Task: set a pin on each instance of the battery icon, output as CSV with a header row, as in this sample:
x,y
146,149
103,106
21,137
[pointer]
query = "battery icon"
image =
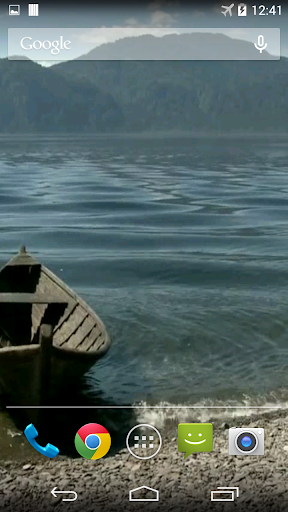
x,y
242,10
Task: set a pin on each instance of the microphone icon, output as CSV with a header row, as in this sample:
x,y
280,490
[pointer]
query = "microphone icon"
x,y
260,45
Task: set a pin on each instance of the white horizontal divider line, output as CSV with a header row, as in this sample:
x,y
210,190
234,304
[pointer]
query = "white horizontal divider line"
x,y
143,407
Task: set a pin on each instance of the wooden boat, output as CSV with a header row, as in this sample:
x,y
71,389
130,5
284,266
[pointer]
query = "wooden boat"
x,y
48,334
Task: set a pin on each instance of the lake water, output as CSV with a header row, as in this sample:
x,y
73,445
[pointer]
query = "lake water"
x,y
179,244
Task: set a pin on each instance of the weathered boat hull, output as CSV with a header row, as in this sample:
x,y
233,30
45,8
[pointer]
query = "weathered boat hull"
x,y
62,336
20,374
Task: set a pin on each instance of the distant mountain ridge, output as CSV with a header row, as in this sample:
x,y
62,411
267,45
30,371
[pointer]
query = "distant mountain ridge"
x,y
128,96
187,46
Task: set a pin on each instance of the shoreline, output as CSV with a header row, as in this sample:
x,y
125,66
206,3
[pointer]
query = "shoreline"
x,y
105,484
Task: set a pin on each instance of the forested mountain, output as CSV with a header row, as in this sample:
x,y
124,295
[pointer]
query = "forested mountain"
x,y
190,95
106,96
35,99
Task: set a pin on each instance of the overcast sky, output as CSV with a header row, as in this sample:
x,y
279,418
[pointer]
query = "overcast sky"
x,y
167,14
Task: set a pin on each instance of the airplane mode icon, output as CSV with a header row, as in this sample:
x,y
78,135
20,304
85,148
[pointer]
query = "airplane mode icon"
x,y
227,9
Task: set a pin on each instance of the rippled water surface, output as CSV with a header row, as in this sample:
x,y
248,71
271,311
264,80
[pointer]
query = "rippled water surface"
x,y
180,245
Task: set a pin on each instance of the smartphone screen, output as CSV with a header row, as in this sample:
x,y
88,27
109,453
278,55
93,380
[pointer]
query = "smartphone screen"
x,y
143,281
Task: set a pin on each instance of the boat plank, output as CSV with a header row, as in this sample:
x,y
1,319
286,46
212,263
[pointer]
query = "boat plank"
x,y
56,281
98,342
23,260
38,311
30,298
68,311
69,327
90,339
81,333
46,285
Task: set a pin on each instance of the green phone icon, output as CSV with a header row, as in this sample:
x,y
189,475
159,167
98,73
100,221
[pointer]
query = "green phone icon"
x,y
49,450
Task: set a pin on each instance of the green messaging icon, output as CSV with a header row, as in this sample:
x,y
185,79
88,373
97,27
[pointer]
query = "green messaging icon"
x,y
195,437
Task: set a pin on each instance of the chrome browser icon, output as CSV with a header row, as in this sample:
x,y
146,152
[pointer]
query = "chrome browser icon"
x,y
92,441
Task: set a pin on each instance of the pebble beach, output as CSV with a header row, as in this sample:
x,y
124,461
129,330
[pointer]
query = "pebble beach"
x,y
183,484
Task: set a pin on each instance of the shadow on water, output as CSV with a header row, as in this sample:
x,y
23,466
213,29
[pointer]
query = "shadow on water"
x,y
74,407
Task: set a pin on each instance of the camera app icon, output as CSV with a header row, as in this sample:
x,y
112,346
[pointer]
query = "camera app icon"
x,y
246,441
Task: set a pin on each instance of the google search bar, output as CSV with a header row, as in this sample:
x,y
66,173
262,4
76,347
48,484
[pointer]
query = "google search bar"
x,y
61,44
